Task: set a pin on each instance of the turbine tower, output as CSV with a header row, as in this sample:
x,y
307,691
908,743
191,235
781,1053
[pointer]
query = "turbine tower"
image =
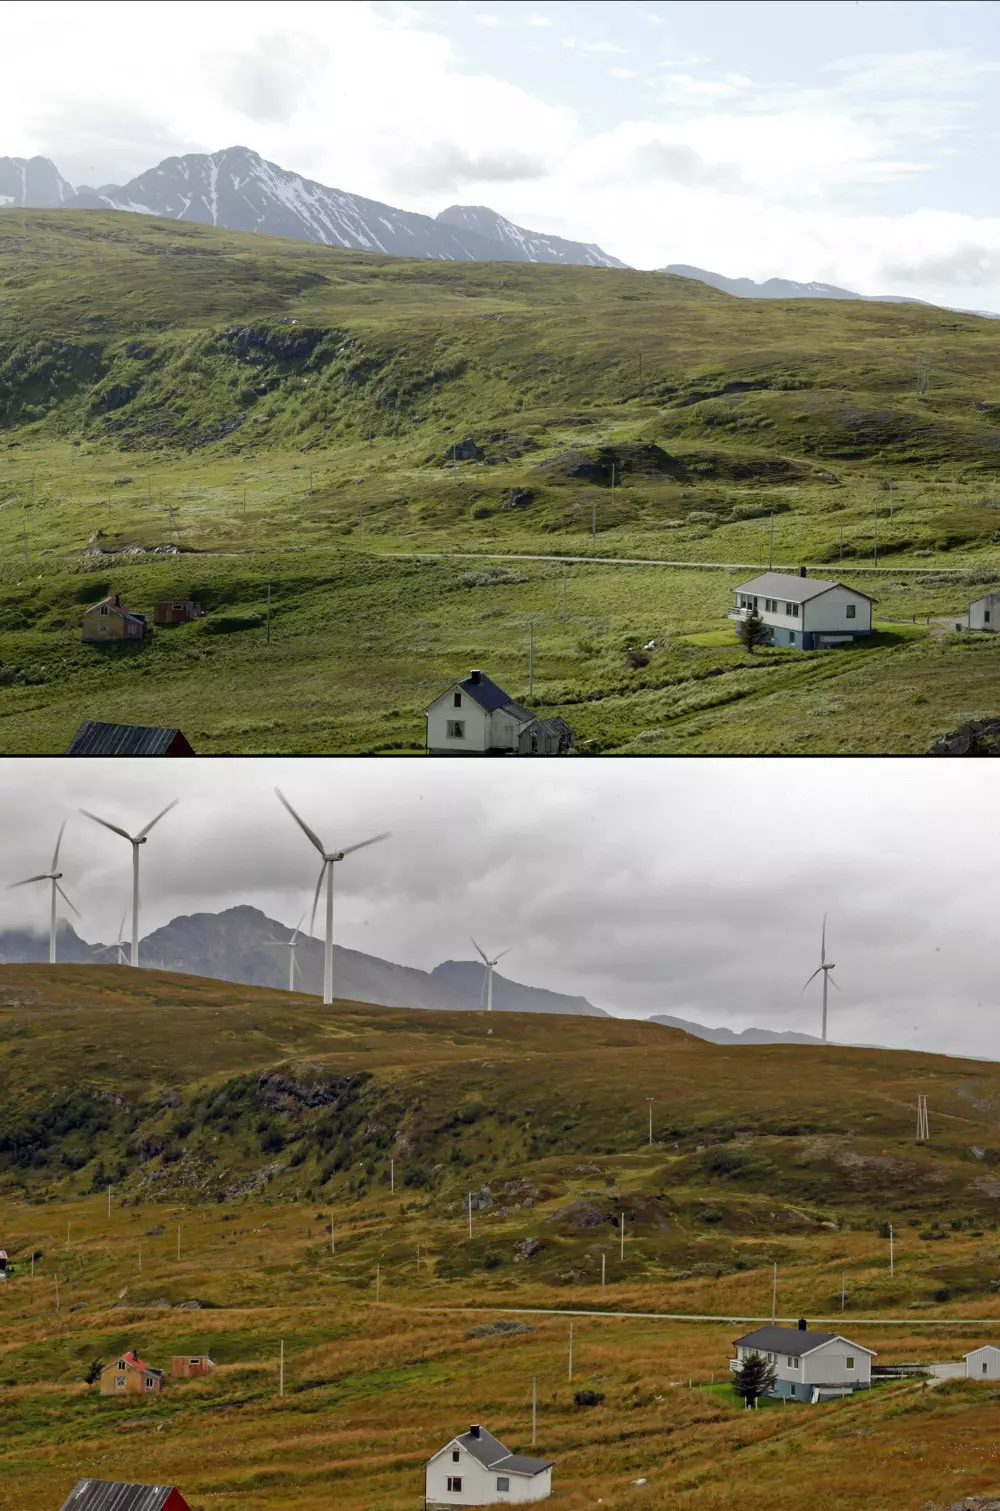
x,y
826,966
489,971
135,841
290,945
54,876
330,859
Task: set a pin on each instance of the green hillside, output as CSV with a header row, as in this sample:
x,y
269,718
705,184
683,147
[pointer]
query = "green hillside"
x,y
184,409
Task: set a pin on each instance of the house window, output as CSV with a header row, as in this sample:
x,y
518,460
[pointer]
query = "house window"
x,y
120,1382
102,629
456,729
851,611
104,608
121,1363
986,616
792,609
455,1484
984,1368
850,1361
455,1456
150,1382
458,700
792,1363
503,1483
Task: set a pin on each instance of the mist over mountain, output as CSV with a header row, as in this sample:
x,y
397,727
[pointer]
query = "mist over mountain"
x,y
241,191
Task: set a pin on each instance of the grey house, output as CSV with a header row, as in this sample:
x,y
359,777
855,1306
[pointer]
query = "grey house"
x,y
807,612
809,1366
984,613
476,717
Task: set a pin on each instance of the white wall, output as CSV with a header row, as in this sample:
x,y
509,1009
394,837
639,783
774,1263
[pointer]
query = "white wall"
x,y
828,1365
980,1356
828,612
443,711
479,1485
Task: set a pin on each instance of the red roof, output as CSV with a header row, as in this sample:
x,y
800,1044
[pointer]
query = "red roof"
x,y
131,1358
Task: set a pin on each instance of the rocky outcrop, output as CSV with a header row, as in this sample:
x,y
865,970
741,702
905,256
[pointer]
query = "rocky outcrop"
x,y
976,737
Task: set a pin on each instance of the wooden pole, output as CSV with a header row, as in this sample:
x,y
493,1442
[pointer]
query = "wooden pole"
x,y
622,1255
470,1214
565,576
603,1261
774,1295
178,1240
571,1351
534,1410
268,637
378,1281
281,1369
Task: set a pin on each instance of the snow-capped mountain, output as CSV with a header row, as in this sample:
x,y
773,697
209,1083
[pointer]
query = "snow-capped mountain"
x,y
779,288
32,183
527,246
240,190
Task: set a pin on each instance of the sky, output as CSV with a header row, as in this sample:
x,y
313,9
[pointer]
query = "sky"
x,y
850,141
690,886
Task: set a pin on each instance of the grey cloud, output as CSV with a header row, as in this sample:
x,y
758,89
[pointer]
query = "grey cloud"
x,y
694,888
94,144
969,267
443,168
267,84
682,165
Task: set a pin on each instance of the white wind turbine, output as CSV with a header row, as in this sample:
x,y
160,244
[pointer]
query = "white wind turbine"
x,y
135,841
489,972
826,966
54,876
330,859
290,945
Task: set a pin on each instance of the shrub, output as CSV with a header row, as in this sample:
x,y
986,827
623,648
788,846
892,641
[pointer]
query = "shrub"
x,y
588,1397
636,659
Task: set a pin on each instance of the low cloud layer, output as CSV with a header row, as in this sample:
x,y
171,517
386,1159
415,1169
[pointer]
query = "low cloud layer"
x,y
694,888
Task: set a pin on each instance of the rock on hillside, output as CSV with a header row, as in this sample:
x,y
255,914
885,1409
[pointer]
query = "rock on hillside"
x,y
976,737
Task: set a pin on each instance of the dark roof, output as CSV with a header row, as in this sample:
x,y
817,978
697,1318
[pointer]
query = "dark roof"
x,y
793,589
516,711
94,739
485,692
492,1454
112,1495
784,1340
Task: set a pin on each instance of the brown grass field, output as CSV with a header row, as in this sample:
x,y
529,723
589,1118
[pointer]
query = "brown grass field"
x,y
379,1370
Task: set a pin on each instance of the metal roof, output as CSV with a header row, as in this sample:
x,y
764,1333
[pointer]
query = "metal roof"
x,y
982,1349
485,692
522,1463
516,711
485,1447
793,589
112,1495
792,1340
95,739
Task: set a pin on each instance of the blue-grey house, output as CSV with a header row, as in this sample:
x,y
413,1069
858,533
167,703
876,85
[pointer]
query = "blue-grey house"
x,y
809,1366
807,612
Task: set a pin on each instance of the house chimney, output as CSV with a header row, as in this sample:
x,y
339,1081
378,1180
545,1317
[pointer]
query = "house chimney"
x,y
476,676
474,1430
802,1324
802,572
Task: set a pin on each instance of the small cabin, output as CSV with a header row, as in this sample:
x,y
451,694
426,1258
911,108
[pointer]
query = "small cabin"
x,y
128,1375
177,611
190,1366
983,1363
116,1495
984,613
96,739
476,717
111,620
3,1262
475,1469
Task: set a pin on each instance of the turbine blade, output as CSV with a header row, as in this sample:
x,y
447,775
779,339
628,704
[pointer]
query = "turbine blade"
x,y
833,983
143,832
815,973
349,849
481,952
503,953
121,926
65,899
822,948
44,877
113,827
55,857
298,929
296,968
313,839
319,884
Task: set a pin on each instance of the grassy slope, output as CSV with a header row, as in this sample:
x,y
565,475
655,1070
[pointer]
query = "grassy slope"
x,y
146,364
373,1385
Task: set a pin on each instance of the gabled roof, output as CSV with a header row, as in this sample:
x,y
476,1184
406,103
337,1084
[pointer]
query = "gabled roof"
x,y
982,1349
793,589
133,1359
793,1340
96,739
115,605
485,692
515,710
491,1453
115,1495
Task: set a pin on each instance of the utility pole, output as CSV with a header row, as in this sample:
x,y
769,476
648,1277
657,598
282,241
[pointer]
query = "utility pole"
x,y
392,1177
841,542
333,1236
57,1294
378,1281
593,519
565,576
281,1369
923,1126
267,640
531,658
876,533
892,1261
842,1285
603,1260
140,1258
310,482
774,1295
770,548
650,1101
418,1259
571,1351
109,1201
890,500
454,465
534,1410
68,1226
361,523
178,1240
470,1214
612,487
622,1254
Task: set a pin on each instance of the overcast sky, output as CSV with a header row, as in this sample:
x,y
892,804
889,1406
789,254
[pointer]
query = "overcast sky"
x,y
852,141
695,887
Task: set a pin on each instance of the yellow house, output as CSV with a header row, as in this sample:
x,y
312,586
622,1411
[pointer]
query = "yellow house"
x,y
128,1375
111,620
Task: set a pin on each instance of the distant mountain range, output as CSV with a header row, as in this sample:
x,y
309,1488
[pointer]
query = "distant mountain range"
x,y
779,288
727,1036
240,190
243,945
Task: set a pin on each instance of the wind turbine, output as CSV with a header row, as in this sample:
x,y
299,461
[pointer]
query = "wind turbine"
x,y
290,945
489,972
135,841
826,966
54,876
330,859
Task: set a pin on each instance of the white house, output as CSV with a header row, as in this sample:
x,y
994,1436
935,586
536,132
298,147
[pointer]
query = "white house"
x,y
476,717
804,611
477,1470
984,613
983,1363
809,1366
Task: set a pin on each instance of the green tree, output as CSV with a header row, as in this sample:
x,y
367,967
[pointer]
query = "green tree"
x,y
753,1378
753,631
